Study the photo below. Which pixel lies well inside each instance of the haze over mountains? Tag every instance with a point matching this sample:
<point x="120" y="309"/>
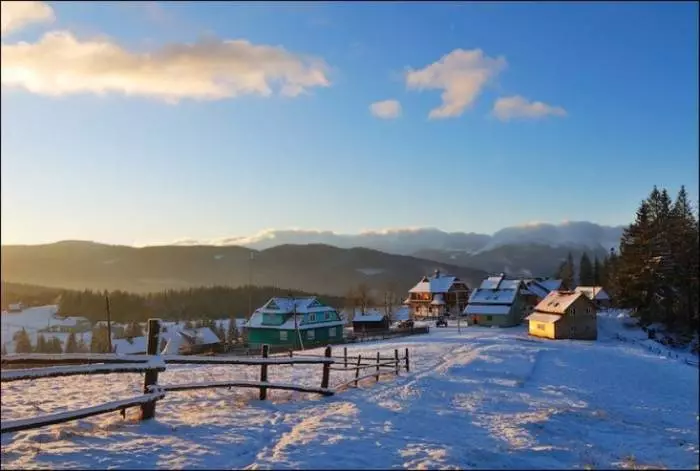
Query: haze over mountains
<point x="580" y="234"/>
<point x="321" y="262"/>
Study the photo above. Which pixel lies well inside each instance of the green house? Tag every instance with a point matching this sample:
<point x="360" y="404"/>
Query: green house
<point x="498" y="302"/>
<point x="293" y="322"/>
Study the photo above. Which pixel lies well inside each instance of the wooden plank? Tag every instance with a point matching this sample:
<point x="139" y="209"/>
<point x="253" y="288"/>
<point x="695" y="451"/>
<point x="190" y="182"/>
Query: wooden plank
<point x="246" y="384"/>
<point x="378" y="362"/>
<point x="9" y="426"/>
<point x="407" y="363"/>
<point x="357" y="371"/>
<point x="325" y="378"/>
<point x="263" y="373"/>
<point x="70" y="358"/>
<point x="148" y="409"/>
<point x="72" y="370"/>
<point x="396" y="356"/>
<point x="203" y="360"/>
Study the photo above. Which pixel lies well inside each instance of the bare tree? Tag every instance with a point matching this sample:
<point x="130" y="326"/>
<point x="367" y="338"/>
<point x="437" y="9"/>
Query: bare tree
<point x="362" y="296"/>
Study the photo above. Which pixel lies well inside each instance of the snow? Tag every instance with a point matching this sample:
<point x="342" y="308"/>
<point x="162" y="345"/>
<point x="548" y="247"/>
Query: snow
<point x="256" y="320"/>
<point x="130" y="346"/>
<point x="371" y="316"/>
<point x="438" y="300"/>
<point x="435" y="284"/>
<point x="593" y="292"/>
<point x="485" y="398"/>
<point x="550" y="284"/>
<point x="556" y="302"/>
<point x="287" y="305"/>
<point x="541" y="317"/>
<point x="496" y="310"/>
<point x="402" y="314"/>
<point x="72" y="370"/>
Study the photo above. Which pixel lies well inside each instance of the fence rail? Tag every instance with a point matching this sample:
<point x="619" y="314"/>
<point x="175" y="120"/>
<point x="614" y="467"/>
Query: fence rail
<point x="152" y="364"/>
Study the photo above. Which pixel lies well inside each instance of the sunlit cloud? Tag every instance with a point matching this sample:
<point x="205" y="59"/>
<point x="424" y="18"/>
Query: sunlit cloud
<point x="16" y="15"/>
<point x="514" y="107"/>
<point x="387" y="109"/>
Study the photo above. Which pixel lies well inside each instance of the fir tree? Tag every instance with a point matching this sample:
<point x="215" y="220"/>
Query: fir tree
<point x="71" y="344"/>
<point x="22" y="342"/>
<point x="566" y="272"/>
<point x="232" y="334"/>
<point x="99" y="343"/>
<point x="586" y="275"/>
<point x="597" y="278"/>
<point x="41" y="346"/>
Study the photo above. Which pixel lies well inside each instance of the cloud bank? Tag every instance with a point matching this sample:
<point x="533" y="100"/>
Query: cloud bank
<point x="387" y="109"/>
<point x="514" y="107"/>
<point x="16" y="15"/>
<point x="461" y="75"/>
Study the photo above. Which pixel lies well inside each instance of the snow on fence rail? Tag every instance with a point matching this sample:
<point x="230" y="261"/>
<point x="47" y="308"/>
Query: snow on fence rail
<point x="152" y="363"/>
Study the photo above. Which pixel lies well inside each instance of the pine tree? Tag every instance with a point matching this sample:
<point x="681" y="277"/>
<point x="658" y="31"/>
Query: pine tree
<point x="54" y="345"/>
<point x="71" y="344"/>
<point x="586" y="275"/>
<point x="41" y="346"/>
<point x="82" y="346"/>
<point x="566" y="272"/>
<point x="22" y="342"/>
<point x="597" y="278"/>
<point x="99" y="343"/>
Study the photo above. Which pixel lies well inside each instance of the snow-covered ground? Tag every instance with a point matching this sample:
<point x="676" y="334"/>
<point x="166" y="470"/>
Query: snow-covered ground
<point x="485" y="398"/>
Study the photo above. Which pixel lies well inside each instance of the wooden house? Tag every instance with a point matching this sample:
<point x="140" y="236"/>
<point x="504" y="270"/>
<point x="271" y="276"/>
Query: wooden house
<point x="292" y="322"/>
<point x="436" y="296"/>
<point x="564" y="315"/>
<point x="596" y="294"/>
<point x="497" y="302"/>
<point x="183" y="341"/>
<point x="370" y="322"/>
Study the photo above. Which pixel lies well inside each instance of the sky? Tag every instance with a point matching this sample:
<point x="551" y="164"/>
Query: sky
<point x="147" y="122"/>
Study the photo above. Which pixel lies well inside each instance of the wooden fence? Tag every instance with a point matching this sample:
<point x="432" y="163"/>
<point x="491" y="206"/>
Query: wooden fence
<point x="35" y="366"/>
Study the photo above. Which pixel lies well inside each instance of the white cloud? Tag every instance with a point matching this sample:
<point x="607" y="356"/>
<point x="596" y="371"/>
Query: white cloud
<point x="16" y="15"/>
<point x="461" y="74"/>
<point x="387" y="109"/>
<point x="512" y="107"/>
<point x="209" y="69"/>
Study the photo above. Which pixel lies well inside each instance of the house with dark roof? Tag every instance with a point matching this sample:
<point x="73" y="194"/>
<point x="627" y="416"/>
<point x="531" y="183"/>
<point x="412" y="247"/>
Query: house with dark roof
<point x="596" y="294"/>
<point x="564" y="315"/>
<point x="369" y="322"/>
<point x="436" y="296"/>
<point x="497" y="302"/>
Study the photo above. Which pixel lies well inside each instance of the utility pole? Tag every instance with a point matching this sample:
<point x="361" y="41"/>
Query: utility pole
<point x="109" y="323"/>
<point x="296" y="323"/>
<point x="250" y="284"/>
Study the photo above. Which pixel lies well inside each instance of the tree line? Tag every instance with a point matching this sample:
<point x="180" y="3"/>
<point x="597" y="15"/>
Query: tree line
<point x="655" y="271"/>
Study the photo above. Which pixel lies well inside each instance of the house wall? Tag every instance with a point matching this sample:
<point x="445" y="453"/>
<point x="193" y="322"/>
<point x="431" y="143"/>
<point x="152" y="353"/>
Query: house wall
<point x="320" y="335"/>
<point x="513" y="318"/>
<point x="370" y="326"/>
<point x="542" y="329"/>
<point x="585" y="325"/>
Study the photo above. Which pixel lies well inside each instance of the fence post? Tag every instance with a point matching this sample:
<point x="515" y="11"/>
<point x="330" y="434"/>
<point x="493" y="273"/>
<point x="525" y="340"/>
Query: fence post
<point x="326" y="369"/>
<point x="148" y="410"/>
<point x="345" y="356"/>
<point x="263" y="373"/>
<point x="357" y="371"/>
<point x="378" y="360"/>
<point x="396" y="356"/>
<point x="408" y="366"/>
<point x="291" y="353"/>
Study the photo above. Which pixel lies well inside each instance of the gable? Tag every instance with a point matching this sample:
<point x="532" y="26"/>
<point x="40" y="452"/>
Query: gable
<point x="314" y="303"/>
<point x="271" y="304"/>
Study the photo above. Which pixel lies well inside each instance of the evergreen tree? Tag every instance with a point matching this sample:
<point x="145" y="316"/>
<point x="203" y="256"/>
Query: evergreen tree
<point x="22" y="342"/>
<point x="597" y="278"/>
<point x="71" y="344"/>
<point x="54" y="345"/>
<point x="99" y="343"/>
<point x="41" y="346"/>
<point x="566" y="272"/>
<point x="82" y="346"/>
<point x="586" y="273"/>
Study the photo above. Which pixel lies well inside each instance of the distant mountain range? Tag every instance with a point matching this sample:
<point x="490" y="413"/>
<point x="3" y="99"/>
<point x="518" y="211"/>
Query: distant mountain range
<point x="409" y="241"/>
<point x="530" y="250"/>
<point x="313" y="268"/>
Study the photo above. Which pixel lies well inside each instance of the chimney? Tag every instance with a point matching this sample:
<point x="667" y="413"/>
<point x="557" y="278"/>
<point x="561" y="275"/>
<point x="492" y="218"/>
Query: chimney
<point x="437" y="273"/>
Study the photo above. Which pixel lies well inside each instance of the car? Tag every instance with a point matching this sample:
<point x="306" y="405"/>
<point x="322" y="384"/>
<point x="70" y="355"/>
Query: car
<point x="407" y="324"/>
<point x="441" y="322"/>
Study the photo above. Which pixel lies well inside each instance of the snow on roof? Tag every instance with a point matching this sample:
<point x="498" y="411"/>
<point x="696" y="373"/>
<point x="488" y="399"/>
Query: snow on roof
<point x="493" y="296"/>
<point x="126" y="347"/>
<point x="174" y="345"/>
<point x="287" y="305"/>
<point x="402" y="314"/>
<point x="372" y="316"/>
<point x="557" y="302"/>
<point x="495" y="310"/>
<point x="492" y="282"/>
<point x="593" y="292"/>
<point x="550" y="284"/>
<point x="437" y="300"/>
<point x="256" y="321"/>
<point x="407" y="300"/>
<point x="542" y="317"/>
<point x="438" y="283"/>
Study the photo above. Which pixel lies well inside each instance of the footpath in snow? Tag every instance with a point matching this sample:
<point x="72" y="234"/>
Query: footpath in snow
<point x="485" y="398"/>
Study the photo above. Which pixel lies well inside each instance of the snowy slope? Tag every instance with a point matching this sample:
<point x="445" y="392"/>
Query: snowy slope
<point x="485" y="398"/>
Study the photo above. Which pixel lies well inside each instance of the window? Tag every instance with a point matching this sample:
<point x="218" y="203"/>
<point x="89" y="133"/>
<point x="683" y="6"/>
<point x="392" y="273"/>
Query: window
<point x="310" y="335"/>
<point x="312" y="317"/>
<point x="489" y="318"/>
<point x="540" y="326"/>
<point x="331" y="332"/>
<point x="573" y="312"/>
<point x="283" y="335"/>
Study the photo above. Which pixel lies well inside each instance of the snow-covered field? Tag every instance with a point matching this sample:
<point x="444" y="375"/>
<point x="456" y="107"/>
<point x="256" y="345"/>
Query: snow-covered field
<point x="485" y="398"/>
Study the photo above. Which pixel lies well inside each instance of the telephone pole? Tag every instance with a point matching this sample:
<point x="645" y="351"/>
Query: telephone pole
<point x="109" y="324"/>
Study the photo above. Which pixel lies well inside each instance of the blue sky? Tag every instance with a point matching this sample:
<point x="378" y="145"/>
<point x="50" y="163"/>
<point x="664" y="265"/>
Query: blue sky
<point x="81" y="159"/>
